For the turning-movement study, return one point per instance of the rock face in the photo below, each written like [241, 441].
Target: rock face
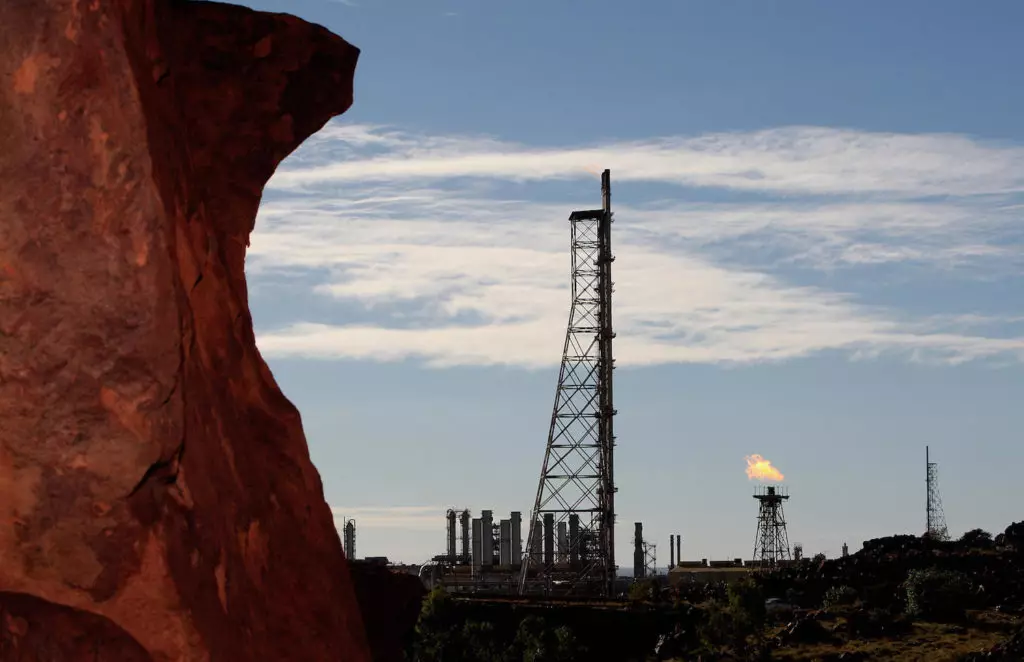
[157, 495]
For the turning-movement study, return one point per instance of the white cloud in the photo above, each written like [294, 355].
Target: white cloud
[459, 276]
[791, 160]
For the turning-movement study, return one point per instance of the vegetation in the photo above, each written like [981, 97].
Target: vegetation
[899, 598]
[937, 594]
[645, 590]
[444, 635]
[839, 596]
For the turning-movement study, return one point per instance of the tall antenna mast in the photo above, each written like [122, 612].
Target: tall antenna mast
[935, 518]
[576, 480]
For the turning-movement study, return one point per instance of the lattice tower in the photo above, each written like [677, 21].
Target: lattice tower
[936, 519]
[771, 544]
[650, 559]
[576, 481]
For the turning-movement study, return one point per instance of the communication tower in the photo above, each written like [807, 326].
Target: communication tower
[936, 519]
[576, 480]
[771, 545]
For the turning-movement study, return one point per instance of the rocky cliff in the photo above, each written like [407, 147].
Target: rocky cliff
[157, 495]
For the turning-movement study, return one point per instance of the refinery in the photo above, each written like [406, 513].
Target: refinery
[567, 547]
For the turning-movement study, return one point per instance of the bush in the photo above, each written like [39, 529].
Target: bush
[642, 590]
[977, 538]
[937, 594]
[746, 605]
[839, 596]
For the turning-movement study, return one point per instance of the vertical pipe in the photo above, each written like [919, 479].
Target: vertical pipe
[452, 528]
[574, 539]
[679, 548]
[549, 539]
[517, 539]
[465, 536]
[638, 551]
[608, 409]
[671, 551]
[505, 543]
[477, 545]
[486, 538]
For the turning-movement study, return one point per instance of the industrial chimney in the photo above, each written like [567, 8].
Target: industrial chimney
[452, 533]
[350, 540]
[638, 551]
[464, 526]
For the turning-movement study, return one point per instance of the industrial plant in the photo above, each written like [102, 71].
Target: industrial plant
[569, 544]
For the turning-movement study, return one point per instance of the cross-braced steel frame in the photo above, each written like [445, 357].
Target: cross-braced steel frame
[936, 518]
[771, 544]
[576, 481]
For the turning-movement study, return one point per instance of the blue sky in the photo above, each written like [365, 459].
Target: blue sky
[818, 235]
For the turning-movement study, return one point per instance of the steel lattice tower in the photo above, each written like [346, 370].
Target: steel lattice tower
[771, 544]
[936, 519]
[650, 559]
[576, 480]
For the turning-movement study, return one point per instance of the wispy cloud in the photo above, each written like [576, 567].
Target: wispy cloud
[460, 274]
[805, 160]
[427, 518]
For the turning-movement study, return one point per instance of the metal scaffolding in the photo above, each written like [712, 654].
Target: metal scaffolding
[650, 559]
[771, 544]
[576, 481]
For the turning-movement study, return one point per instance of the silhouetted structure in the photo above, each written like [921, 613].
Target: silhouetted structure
[576, 480]
[350, 539]
[936, 519]
[771, 545]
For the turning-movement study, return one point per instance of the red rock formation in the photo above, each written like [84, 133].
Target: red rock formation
[157, 495]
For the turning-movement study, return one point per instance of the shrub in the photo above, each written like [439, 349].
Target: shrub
[937, 594]
[839, 596]
[645, 590]
[977, 538]
[746, 605]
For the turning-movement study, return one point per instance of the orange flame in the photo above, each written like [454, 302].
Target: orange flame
[759, 468]
[593, 170]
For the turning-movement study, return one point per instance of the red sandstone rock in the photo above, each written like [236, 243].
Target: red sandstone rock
[157, 495]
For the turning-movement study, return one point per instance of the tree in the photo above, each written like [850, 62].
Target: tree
[438, 631]
[530, 639]
[479, 642]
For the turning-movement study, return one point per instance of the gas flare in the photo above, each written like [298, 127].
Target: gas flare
[761, 469]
